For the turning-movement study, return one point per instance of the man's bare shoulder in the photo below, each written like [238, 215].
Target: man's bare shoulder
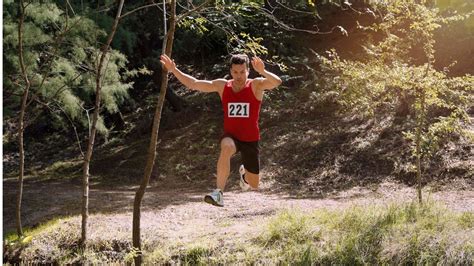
[259, 79]
[256, 82]
[219, 83]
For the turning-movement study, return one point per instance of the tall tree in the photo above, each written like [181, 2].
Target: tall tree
[151, 155]
[87, 158]
[21, 129]
[49, 61]
[398, 73]
[102, 81]
[31, 59]
[167, 49]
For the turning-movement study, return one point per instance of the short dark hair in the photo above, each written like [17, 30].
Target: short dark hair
[239, 59]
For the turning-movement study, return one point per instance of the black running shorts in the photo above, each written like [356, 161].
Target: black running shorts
[250, 154]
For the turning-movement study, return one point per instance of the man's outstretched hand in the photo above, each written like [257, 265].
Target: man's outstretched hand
[169, 64]
[258, 65]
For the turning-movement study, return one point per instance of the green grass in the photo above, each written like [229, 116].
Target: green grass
[390, 235]
[197, 253]
[377, 235]
[62, 170]
[12, 237]
[395, 234]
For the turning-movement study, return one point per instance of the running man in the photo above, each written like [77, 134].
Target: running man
[241, 98]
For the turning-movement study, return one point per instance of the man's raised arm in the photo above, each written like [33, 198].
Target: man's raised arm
[190, 81]
[269, 80]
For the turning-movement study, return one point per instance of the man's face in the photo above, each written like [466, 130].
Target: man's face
[239, 73]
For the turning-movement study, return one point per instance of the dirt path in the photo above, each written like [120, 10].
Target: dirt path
[180, 213]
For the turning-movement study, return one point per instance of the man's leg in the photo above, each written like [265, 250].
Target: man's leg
[252, 179]
[250, 157]
[223, 164]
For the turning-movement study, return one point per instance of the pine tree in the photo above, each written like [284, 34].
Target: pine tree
[49, 62]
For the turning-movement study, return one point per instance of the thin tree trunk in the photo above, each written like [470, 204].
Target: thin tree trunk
[176, 102]
[419, 130]
[418, 144]
[21, 130]
[93, 129]
[167, 47]
[418, 164]
[21, 120]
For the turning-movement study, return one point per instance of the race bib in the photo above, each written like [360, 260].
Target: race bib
[238, 109]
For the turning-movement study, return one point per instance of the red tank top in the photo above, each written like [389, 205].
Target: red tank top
[241, 112]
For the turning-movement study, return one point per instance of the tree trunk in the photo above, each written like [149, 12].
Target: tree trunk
[176, 102]
[167, 48]
[22, 167]
[93, 129]
[419, 128]
[418, 164]
[420, 117]
[21, 120]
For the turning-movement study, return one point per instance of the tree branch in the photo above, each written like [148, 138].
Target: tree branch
[60, 89]
[287, 27]
[139, 8]
[75, 129]
[195, 9]
[297, 11]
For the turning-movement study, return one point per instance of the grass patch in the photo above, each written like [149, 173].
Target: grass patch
[12, 237]
[199, 252]
[60, 170]
[15, 246]
[395, 234]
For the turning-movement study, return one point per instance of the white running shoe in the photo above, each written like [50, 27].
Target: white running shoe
[243, 184]
[215, 198]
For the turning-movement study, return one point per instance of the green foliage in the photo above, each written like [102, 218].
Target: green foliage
[243, 27]
[60, 53]
[248, 45]
[113, 92]
[124, 39]
[397, 73]
[11, 238]
[458, 6]
[134, 252]
[409, 28]
[198, 25]
[466, 220]
[196, 255]
[217, 28]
